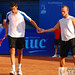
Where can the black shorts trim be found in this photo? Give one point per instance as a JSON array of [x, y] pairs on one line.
[[57, 41], [19, 43], [66, 46]]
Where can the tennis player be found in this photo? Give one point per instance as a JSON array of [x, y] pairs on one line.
[[67, 25], [15, 26]]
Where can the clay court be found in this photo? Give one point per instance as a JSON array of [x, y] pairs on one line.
[[33, 65]]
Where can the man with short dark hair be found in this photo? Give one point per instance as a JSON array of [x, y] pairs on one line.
[[15, 25]]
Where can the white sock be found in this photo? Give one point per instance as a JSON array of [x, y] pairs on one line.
[[61, 70], [13, 67], [19, 66], [61, 67]]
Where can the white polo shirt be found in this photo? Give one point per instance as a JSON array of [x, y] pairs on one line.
[[16, 27], [67, 28]]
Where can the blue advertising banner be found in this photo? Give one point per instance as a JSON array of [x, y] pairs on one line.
[[36, 44]]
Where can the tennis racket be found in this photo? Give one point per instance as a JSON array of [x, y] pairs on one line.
[[1, 40]]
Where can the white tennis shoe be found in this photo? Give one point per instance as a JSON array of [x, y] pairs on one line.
[[13, 73], [19, 72], [54, 55]]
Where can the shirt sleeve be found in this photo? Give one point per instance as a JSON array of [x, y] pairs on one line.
[[7, 18], [25, 16]]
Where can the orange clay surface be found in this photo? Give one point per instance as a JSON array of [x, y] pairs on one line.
[[34, 65]]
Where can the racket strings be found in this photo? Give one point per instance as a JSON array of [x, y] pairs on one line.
[[0, 41]]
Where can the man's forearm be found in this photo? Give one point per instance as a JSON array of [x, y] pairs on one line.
[[6, 28], [49, 30], [34, 24]]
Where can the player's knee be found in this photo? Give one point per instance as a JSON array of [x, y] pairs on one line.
[[74, 57], [62, 61], [19, 53], [12, 52]]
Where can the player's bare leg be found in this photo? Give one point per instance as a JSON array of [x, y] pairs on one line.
[[56, 49], [19, 61], [74, 59], [12, 53], [62, 61]]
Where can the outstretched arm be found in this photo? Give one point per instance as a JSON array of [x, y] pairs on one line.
[[57, 26], [34, 24]]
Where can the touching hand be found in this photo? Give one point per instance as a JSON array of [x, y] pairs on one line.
[[41, 31]]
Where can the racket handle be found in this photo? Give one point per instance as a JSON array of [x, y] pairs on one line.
[[3, 38]]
